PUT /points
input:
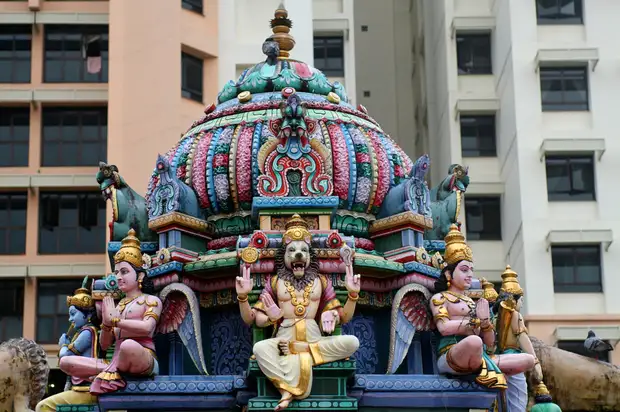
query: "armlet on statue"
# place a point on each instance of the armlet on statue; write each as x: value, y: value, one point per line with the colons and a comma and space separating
x: 442, y: 313
x: 72, y: 348
x: 150, y: 314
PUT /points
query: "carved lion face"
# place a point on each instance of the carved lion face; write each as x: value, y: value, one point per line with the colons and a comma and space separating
x: 297, y: 257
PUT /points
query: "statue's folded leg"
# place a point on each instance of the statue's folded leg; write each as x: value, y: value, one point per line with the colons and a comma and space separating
x: 291, y: 373
x: 65, y: 398
x: 333, y: 348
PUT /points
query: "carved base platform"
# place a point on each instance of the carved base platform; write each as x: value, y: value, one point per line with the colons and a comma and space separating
x: 321, y: 403
x: 77, y: 408
x: 329, y: 389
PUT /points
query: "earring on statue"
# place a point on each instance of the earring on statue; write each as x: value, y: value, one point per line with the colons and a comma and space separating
x: 140, y: 284
x: 448, y: 281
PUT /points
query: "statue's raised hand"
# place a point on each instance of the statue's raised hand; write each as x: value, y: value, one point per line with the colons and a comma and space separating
x: 482, y: 311
x: 63, y: 340
x: 244, y: 282
x: 109, y: 311
x: 328, y: 320
x: 352, y: 282
x: 273, y: 311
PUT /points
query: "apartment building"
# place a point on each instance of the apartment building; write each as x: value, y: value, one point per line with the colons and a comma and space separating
x: 67, y: 101
x: 524, y: 92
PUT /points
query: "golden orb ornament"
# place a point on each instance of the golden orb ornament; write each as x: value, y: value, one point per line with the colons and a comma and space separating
x: 249, y: 255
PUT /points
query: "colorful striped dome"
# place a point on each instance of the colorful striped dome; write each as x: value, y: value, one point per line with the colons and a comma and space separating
x: 283, y: 129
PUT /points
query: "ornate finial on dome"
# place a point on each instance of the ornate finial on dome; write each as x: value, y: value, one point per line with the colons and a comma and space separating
x: 297, y: 229
x: 456, y: 248
x: 510, y: 282
x: 281, y: 26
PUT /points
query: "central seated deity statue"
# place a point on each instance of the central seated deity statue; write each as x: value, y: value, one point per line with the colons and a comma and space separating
x: 302, y: 305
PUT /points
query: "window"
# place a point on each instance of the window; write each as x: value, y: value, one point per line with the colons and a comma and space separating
x: 71, y: 222
x: 15, y: 53
x: 570, y: 178
x: 74, y: 136
x: 11, y: 309
x: 64, y: 55
x: 559, y: 11
x: 329, y: 55
x: 193, y: 5
x: 478, y: 136
x: 473, y: 52
x: 52, y: 312
x: 192, y: 77
x: 564, y: 88
x: 576, y: 269
x: 14, y: 136
x: 13, y: 206
x: 483, y: 218
x: 576, y: 346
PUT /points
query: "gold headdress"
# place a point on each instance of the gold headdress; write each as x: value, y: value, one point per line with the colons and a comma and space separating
x: 510, y: 282
x: 297, y: 229
x: 456, y: 248
x: 130, y: 250
x: 489, y: 292
x: 82, y: 298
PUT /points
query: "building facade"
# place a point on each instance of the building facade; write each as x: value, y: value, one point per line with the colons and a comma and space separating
x: 58, y: 120
x: 523, y: 93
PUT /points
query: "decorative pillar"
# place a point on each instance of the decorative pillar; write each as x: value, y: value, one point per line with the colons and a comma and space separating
x: 175, y: 360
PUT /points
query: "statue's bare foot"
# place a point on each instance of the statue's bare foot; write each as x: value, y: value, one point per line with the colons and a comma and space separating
x: 286, y: 399
x: 283, y: 346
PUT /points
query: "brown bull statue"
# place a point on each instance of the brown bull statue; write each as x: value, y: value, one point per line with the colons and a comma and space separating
x: 577, y: 383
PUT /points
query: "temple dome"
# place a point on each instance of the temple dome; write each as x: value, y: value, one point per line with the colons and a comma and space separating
x: 225, y: 156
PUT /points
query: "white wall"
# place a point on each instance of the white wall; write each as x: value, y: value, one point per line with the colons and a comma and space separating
x: 521, y: 128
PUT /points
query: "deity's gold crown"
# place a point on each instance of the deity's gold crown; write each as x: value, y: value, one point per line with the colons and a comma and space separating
x: 510, y: 282
x: 456, y: 248
x: 297, y: 229
x: 82, y: 298
x: 130, y: 251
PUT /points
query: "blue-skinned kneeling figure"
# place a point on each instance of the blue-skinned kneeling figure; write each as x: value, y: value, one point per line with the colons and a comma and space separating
x: 82, y: 339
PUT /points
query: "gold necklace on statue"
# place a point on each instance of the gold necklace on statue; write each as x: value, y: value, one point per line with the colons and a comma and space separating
x: 300, y: 308
x: 124, y: 302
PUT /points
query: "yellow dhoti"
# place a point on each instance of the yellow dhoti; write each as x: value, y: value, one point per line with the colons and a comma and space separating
x: 293, y: 372
x: 66, y: 398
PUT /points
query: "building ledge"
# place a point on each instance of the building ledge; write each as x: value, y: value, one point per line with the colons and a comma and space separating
x: 572, y: 146
x: 485, y: 188
x: 32, y: 181
x: 611, y: 333
x: 476, y: 106
x: 50, y: 17
x: 328, y: 26
x: 471, y: 24
x: 572, y: 237
x: 56, y: 95
x: 78, y: 270
x: 556, y: 57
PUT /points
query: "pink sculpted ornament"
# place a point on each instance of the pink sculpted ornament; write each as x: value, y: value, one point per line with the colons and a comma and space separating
x: 130, y: 325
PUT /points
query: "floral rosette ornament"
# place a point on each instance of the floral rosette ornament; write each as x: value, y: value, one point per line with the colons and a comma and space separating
x: 334, y: 240
x: 421, y: 255
x: 111, y: 282
x: 259, y: 240
x: 438, y: 261
x: 162, y: 257
x: 148, y: 262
